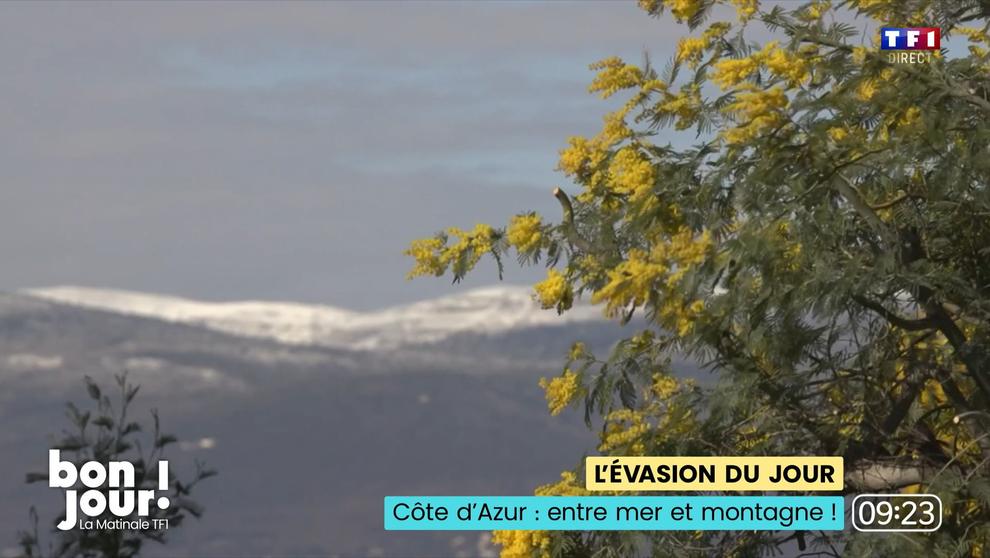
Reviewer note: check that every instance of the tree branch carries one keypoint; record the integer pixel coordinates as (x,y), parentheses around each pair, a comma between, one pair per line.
(849,191)
(896,200)
(893,318)
(872,475)
(568,222)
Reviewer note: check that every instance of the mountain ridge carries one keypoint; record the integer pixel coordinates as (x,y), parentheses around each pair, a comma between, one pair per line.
(488,310)
(440,418)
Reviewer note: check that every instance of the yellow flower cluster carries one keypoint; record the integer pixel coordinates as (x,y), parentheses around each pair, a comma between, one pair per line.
(530,544)
(627,432)
(849,136)
(663,416)
(554,291)
(580,156)
(749,437)
(613,76)
(790,250)
(583,157)
(731,72)
(816,10)
(792,256)
(679,317)
(433,256)
(568,485)
(584,160)
(630,282)
(684,105)
(691,49)
(758,110)
(934,351)
(687,250)
(850,423)
(632,174)
(880,10)
(523,544)
(859,54)
(664,385)
(578,350)
(786,65)
(977,37)
(746,9)
(524,232)
(932,396)
(635,279)
(683,10)
(624,429)
(752,104)
(426,252)
(838,133)
(974,34)
(614,128)
(866,89)
(910,118)
(562,390)
(650,6)
(642,341)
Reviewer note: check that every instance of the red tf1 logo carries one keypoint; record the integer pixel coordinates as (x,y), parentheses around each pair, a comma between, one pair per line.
(910,38)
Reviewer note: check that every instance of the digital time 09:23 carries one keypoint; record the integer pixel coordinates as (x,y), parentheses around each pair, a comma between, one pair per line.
(897,512)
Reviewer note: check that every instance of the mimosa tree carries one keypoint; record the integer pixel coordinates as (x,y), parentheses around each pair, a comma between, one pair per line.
(823,248)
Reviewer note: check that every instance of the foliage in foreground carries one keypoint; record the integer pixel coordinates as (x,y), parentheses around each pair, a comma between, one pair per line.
(822,248)
(107,433)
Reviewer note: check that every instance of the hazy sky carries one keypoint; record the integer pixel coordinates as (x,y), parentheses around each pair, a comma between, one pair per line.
(286,151)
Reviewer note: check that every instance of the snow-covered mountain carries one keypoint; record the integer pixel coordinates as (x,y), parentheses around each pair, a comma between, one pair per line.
(489,310)
(451,394)
(455,414)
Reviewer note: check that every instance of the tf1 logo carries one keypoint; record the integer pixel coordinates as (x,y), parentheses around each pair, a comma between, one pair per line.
(910,38)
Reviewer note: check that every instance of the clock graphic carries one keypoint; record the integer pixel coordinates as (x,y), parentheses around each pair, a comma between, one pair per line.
(897,512)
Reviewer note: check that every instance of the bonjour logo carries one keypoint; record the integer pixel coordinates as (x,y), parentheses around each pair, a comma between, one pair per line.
(122,500)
